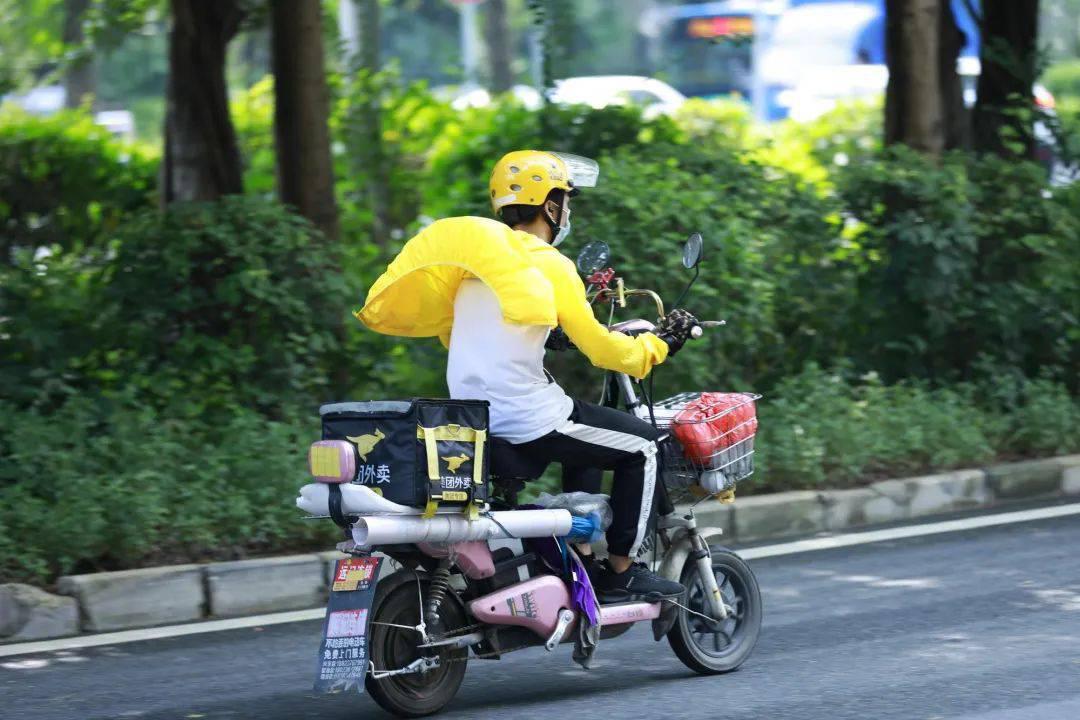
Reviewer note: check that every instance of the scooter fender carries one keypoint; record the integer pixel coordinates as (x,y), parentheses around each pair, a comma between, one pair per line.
(671,568)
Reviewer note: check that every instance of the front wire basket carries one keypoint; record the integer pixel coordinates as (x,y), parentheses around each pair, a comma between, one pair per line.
(720,455)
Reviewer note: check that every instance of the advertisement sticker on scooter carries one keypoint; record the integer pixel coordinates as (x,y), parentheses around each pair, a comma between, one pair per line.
(343,656)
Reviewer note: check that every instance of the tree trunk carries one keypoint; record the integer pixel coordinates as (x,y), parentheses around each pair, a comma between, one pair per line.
(369,36)
(1004,115)
(914,111)
(202,160)
(369,148)
(305,172)
(79,78)
(950,44)
(497,35)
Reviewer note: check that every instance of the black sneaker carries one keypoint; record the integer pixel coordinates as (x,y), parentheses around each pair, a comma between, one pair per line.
(594,567)
(637,583)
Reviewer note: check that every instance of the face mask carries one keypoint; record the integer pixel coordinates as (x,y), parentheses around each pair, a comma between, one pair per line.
(564,230)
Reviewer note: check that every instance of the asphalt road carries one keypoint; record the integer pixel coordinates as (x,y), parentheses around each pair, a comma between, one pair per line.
(974,625)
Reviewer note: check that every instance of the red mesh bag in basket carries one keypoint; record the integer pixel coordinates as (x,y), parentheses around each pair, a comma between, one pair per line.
(713,423)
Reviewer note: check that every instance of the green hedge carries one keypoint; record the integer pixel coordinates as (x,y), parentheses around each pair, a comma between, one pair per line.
(64,181)
(94,485)
(237,302)
(1063,79)
(973,265)
(832,429)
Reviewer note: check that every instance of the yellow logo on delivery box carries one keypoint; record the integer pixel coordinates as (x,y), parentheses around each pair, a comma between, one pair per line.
(454,462)
(366,443)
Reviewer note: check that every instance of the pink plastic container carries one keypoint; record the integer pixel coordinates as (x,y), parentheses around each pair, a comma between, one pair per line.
(332,461)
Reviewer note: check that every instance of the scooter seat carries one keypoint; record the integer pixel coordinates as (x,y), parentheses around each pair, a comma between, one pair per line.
(510,464)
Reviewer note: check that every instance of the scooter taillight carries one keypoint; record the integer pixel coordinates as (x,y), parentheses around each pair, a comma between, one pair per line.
(332,461)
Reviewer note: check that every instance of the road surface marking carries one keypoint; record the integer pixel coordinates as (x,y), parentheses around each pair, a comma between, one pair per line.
(156,633)
(908,531)
(789,548)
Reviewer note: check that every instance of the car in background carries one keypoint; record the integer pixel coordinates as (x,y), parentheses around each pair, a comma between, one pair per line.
(50,99)
(120,123)
(476,97)
(819,91)
(655,97)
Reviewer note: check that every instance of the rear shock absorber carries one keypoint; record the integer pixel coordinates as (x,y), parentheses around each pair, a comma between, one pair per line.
(440,584)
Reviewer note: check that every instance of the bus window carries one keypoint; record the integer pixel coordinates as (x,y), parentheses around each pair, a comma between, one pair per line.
(711,54)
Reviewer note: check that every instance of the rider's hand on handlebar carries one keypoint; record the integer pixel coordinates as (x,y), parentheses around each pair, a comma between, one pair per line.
(674,329)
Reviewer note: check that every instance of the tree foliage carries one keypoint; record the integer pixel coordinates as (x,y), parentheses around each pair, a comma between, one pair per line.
(64,182)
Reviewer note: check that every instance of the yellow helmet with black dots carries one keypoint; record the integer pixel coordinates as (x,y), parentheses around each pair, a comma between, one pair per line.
(525,177)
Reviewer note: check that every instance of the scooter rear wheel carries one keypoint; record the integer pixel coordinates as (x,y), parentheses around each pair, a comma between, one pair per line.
(397,603)
(711,647)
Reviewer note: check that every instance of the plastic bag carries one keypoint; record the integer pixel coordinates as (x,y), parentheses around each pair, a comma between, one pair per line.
(581,504)
(713,423)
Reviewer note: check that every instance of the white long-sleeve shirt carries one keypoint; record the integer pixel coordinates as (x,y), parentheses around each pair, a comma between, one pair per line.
(492,360)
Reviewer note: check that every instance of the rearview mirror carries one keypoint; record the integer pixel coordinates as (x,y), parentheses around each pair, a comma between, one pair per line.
(594,256)
(691,254)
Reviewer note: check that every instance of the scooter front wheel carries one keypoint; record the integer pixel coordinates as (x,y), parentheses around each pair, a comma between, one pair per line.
(392,645)
(709,646)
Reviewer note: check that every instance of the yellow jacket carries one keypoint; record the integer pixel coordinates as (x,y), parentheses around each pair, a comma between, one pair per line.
(534,282)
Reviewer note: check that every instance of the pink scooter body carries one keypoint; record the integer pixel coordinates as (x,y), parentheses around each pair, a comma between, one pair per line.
(535,603)
(473,557)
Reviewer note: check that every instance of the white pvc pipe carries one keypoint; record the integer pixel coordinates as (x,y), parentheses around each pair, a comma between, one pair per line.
(355,500)
(388,530)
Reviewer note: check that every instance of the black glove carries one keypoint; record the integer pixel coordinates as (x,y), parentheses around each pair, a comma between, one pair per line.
(675,329)
(557,341)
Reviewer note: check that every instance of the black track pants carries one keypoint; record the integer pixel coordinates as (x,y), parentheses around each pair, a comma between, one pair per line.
(608,439)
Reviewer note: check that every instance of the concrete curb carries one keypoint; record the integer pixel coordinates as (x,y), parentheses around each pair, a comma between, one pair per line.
(137,598)
(252,587)
(168,595)
(29,613)
(791,514)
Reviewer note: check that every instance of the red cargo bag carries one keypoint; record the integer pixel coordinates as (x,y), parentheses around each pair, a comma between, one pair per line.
(713,423)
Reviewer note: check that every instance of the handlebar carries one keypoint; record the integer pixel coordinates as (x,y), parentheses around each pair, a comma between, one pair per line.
(620,294)
(699,329)
(634,327)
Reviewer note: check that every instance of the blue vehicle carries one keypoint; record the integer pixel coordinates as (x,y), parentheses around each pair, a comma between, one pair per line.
(825,50)
(764,48)
(709,48)
(870,41)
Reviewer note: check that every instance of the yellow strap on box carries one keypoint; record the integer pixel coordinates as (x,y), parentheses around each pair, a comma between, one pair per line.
(432,451)
(480,438)
(449,432)
(429,436)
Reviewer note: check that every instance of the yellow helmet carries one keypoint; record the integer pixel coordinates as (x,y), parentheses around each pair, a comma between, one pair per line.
(525,177)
